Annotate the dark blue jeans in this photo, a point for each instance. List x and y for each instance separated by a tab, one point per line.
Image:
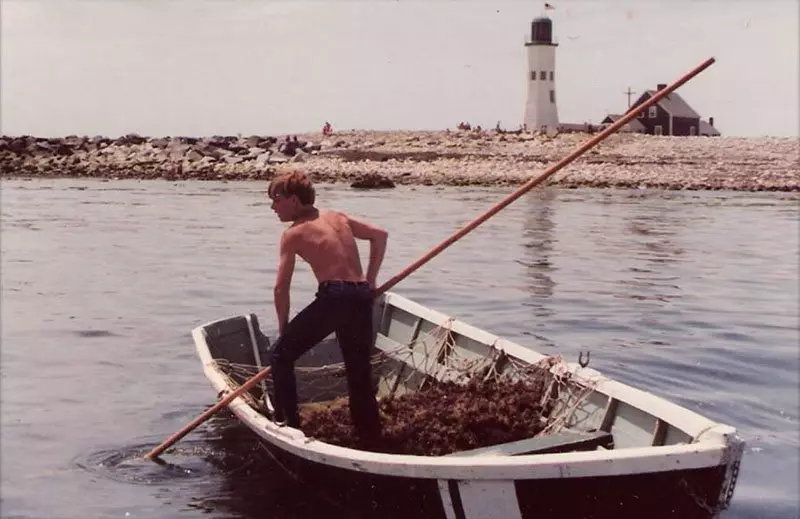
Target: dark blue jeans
346	309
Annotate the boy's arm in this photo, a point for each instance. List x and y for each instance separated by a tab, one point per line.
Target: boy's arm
284	281
377	238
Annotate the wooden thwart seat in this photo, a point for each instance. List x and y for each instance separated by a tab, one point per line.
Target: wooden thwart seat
563	441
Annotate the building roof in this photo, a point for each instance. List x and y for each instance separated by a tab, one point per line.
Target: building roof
705	128
634	125
674	105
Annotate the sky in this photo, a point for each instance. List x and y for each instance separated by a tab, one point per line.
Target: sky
202	67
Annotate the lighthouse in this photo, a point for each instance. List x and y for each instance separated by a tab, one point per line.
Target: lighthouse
541	112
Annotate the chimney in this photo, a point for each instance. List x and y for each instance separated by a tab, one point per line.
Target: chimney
711	121
661	86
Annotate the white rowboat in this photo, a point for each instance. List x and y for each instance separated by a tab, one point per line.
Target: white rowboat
620	451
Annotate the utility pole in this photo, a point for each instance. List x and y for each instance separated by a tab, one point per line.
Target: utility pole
629	92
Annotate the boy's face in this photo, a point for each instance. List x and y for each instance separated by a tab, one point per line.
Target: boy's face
285	207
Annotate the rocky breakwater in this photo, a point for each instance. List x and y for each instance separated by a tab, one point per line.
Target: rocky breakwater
382	159
492	158
133	156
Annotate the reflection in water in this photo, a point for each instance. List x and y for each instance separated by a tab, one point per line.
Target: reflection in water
538	242
652	234
655	229
253	484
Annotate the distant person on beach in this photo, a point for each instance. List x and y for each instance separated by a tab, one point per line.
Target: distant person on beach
326	240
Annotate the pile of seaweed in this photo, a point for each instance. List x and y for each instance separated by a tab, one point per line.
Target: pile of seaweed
442	418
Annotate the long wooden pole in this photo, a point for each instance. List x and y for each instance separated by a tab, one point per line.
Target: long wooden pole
166	444
544	176
449	241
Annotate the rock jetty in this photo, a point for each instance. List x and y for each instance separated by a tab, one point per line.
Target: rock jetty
371	159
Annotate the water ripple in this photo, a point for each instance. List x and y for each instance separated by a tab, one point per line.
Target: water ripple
188	460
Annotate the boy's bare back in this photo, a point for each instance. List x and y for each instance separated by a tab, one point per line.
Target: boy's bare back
327	242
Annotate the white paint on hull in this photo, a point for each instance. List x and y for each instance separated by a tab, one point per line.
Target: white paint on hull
447	500
482	499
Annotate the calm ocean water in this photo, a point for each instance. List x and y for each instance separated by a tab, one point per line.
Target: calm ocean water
690	295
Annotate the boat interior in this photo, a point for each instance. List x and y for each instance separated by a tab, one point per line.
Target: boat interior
415	346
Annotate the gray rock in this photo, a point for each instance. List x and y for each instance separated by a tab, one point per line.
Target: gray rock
251	141
177	151
207	150
263	158
233	159
130	139
372	181
193	155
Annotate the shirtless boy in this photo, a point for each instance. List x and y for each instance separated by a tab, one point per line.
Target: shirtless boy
326	240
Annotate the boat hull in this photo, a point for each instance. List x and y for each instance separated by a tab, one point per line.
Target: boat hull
685	494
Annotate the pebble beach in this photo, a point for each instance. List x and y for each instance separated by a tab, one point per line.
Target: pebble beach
383	159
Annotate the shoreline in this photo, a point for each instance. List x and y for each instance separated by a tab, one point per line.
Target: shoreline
383	159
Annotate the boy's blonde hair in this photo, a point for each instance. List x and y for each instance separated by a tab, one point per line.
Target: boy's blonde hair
293	183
